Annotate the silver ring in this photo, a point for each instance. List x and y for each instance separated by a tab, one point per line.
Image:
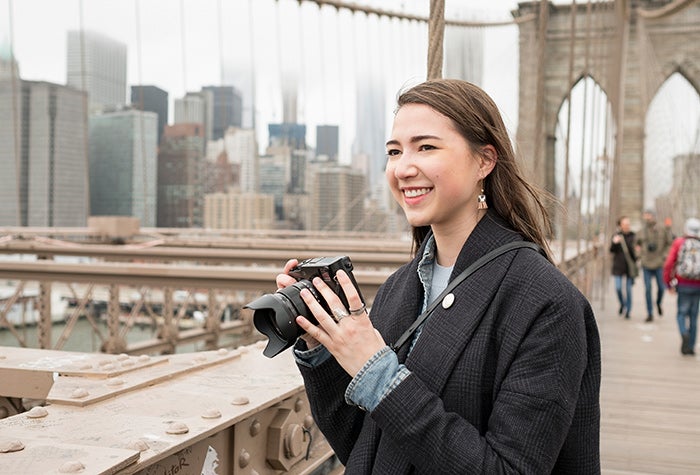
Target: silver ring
359	311
339	313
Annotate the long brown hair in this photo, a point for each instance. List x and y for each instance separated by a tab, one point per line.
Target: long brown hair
476	117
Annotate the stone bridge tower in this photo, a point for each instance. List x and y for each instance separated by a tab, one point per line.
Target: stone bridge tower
630	48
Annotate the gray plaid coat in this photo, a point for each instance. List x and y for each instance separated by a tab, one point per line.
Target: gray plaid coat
506	380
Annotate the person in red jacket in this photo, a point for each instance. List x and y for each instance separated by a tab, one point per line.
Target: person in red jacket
682	275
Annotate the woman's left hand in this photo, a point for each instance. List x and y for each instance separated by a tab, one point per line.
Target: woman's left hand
350	338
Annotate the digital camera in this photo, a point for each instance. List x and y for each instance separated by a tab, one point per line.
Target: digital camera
275	314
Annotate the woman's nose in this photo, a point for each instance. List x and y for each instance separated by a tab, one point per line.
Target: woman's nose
405	166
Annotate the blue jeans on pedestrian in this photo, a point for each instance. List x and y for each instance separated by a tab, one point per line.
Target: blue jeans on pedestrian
626	299
658	274
688	302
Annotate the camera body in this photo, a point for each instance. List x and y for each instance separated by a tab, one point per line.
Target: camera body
651	247
275	314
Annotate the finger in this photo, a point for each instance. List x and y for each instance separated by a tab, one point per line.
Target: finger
328	294
291	264
324	320
284	280
356	307
314	332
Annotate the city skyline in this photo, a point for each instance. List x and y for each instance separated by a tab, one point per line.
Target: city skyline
155	33
327	88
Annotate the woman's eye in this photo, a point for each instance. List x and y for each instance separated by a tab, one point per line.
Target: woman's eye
426	147
393	152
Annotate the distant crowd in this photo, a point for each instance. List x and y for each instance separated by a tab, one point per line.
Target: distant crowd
673	263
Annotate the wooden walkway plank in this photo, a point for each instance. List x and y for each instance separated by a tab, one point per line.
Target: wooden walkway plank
650	393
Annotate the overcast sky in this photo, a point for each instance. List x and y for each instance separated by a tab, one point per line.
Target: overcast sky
221	36
183	45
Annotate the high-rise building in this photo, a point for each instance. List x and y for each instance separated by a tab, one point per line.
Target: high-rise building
298	171
242	149
235	210
228	109
123	165
96	64
369	146
180	157
154	99
196	108
273	169
287	134
337	199
44	158
327	142
9	68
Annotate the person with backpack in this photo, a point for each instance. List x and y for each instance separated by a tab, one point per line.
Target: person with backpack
682	275
653	242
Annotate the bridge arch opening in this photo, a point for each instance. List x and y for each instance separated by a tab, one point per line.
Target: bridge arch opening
583	150
672	151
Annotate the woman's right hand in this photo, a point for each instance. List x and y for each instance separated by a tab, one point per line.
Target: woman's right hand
285	280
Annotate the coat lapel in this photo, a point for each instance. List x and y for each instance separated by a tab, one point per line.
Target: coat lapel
449	330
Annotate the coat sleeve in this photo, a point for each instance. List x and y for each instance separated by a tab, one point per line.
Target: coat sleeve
670	264
534	404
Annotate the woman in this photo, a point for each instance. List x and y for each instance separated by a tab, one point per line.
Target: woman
682	275
622	247
504	375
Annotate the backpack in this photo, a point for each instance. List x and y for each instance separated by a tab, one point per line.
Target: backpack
688	263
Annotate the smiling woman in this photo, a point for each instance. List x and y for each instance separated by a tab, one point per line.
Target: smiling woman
500	372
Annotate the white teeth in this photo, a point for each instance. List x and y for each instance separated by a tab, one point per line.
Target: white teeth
414	193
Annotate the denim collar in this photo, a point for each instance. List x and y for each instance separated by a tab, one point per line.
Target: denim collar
425	269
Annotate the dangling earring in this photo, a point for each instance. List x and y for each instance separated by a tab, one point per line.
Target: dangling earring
481	200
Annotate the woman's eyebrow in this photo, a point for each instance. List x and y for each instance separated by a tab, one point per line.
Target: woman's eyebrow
415	139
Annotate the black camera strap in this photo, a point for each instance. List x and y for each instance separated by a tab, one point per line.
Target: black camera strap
478	264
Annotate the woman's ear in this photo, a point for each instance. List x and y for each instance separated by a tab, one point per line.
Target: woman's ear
488	158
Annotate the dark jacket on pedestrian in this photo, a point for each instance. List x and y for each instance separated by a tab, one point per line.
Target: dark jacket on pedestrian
505	380
619	263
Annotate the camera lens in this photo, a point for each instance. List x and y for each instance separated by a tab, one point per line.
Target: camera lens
275	316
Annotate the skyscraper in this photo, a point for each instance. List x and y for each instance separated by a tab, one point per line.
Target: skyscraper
242	148
337	199
123	161
44	159
154	99
180	158
196	108
327	142
96	64
371	135
228	109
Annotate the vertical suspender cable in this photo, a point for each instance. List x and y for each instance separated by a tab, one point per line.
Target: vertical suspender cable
251	23
183	45
301	116
436	33
83	87
144	165
220	33
324	79
586	80
538	161
572	44
15	117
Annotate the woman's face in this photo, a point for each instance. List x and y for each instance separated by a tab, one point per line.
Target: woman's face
431	170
